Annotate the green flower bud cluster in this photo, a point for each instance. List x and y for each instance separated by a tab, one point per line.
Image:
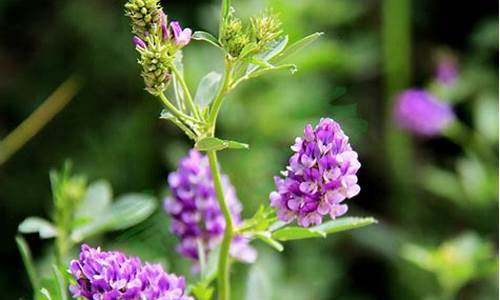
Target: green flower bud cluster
266	28
144	14
234	36
155	60
239	40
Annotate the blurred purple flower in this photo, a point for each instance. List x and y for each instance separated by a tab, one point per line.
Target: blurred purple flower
195	212
110	275
320	175
447	71
423	114
181	37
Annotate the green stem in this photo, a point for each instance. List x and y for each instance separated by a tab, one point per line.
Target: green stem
181	80
223	285
396	33
62	247
175	111
214	111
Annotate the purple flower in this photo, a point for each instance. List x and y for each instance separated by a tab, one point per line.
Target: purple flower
447	71
181	37
138	42
114	276
195	212
164	26
320	175
422	113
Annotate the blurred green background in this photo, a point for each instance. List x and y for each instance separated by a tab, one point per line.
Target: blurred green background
437	202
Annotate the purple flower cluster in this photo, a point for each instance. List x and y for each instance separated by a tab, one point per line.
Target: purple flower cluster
195	212
320	175
423	114
110	275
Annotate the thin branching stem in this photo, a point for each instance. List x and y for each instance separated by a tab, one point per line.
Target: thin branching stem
175	111
189	98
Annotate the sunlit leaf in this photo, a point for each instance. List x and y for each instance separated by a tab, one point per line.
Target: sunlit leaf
97	198
207	89
287	67
206	37
126	211
236	145
177	87
297	233
275	49
43	227
343	224
297	46
210	144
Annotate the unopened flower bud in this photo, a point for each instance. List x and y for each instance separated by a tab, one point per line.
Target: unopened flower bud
155	66
144	15
266	29
234	37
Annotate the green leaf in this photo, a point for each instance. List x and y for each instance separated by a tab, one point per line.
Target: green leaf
212	263
276	48
277	225
126	211
97	198
61	284
266	238
46	293
25	252
297	46
442	183
178	91
207	89
49	288
202	291
213	143
206	37
287	67
343	224
202	258
236	145
210	144
44	228
297	233
265	57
